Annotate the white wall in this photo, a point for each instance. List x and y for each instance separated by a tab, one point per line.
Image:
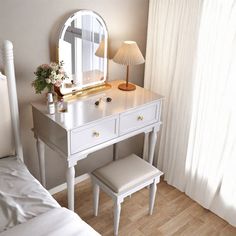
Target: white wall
33	27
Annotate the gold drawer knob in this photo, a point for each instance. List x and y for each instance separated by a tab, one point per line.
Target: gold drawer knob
140	118
95	134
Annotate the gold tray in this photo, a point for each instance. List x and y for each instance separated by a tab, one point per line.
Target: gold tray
74	95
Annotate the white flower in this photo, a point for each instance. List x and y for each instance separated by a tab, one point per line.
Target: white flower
56	77
53	81
53	73
48	81
60	76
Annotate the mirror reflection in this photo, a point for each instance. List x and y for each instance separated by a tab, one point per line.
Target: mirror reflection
83	49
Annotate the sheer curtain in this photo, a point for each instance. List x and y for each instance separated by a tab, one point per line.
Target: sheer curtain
191	60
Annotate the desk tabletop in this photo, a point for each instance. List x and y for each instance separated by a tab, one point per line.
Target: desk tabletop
84	111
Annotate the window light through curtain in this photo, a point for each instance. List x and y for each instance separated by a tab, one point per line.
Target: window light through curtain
191	60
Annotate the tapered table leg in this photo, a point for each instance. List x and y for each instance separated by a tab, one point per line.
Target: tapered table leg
41	156
70	179
152	144
145	146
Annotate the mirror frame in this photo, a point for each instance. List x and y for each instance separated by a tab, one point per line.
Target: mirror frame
94	86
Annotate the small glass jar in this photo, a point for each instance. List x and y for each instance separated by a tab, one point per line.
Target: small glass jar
61	105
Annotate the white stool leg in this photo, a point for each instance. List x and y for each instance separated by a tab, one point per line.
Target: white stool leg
152	194
96	191
117	209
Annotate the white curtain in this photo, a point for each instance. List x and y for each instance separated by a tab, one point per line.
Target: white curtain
191	60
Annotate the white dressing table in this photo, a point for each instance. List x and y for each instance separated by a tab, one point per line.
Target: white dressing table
86	128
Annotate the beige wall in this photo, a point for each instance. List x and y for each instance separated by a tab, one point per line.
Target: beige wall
33	28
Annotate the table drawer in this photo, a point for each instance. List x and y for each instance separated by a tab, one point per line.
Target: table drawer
94	134
138	118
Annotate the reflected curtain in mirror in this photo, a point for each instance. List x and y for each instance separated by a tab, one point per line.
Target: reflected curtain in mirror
79	40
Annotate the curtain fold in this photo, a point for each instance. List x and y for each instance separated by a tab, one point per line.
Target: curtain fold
191	60
171	49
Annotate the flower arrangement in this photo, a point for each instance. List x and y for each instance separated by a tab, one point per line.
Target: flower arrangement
48	76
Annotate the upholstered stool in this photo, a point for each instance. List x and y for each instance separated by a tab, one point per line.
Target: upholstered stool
121	178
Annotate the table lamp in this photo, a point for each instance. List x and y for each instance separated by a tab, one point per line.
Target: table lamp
100	53
128	54
100	50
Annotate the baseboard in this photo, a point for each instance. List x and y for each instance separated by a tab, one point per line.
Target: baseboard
62	187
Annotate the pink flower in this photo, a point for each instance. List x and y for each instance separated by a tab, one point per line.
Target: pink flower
61	71
45	66
58	83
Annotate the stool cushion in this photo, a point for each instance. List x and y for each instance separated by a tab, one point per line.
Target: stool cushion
127	173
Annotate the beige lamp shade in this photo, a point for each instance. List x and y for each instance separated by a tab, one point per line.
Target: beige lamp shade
100	53
129	54
100	50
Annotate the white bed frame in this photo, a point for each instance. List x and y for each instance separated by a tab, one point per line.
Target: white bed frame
8	61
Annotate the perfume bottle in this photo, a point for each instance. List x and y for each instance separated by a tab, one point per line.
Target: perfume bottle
61	105
50	104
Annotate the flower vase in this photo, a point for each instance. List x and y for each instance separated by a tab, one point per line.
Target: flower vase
57	92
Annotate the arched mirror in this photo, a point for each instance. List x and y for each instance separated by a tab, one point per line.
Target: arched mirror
83	49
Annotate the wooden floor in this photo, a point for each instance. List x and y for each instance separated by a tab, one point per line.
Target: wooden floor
174	214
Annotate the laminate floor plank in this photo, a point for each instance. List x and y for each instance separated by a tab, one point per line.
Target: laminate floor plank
174	214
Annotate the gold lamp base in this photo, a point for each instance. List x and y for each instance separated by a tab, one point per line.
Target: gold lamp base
127	87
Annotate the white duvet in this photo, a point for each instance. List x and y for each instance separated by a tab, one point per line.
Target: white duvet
22	197
27	209
56	222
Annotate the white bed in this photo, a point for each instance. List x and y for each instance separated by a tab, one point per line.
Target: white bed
56	222
26	208
21	196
